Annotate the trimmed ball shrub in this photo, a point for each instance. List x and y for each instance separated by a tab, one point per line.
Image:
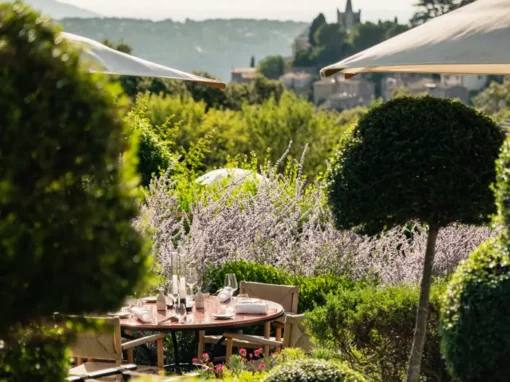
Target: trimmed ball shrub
67	179
475	321
372	328
425	159
313	371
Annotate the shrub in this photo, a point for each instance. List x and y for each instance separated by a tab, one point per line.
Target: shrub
34	353
372	328
475	321
66	200
424	159
313	371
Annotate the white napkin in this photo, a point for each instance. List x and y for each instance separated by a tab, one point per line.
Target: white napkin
252	308
142	314
224	295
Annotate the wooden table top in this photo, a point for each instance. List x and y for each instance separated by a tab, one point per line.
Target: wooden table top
201	319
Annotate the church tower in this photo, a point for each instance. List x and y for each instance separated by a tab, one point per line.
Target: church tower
349	18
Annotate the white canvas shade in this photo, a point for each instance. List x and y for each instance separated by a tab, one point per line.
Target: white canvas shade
233	174
110	61
474	39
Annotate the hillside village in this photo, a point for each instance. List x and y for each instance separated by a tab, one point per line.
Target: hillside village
339	93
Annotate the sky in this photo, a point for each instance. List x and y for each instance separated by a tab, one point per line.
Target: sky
298	10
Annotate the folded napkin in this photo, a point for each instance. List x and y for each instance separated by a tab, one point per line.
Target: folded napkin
252	308
224	295
142	314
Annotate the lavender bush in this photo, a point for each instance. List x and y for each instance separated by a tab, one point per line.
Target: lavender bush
284	221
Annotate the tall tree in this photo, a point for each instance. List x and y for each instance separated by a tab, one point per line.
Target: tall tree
272	67
425	159
318	22
252	62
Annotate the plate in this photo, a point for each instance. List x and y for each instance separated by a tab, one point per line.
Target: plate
223	316
150	299
119	314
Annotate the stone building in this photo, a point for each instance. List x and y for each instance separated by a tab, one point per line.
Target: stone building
243	75
300	82
349	18
339	93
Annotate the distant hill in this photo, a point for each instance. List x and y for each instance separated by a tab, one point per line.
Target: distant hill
56	9
212	45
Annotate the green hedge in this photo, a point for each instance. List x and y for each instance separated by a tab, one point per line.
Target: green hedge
313	371
313	290
34	353
373	329
475	321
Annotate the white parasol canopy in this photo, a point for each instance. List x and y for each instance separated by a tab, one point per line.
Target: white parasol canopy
233	174
111	61
474	39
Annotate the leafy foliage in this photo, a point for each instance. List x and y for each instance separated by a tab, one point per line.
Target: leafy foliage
495	100
313	371
415	158
66	200
34	353
476	316
372	328
272	67
254	128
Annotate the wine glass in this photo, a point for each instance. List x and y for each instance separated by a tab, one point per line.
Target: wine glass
230	284
191	279
180	311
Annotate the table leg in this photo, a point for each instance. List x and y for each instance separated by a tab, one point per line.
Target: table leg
201	344
267	332
161	355
176	353
130	356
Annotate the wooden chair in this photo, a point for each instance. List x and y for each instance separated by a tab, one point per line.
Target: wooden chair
285	295
107	346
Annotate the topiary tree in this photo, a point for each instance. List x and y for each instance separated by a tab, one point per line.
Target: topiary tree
475	316
66	198
312	370
423	159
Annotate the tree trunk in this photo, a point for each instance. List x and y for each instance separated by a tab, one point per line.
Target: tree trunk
420	330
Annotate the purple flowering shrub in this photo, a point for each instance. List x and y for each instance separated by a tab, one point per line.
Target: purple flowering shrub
283	221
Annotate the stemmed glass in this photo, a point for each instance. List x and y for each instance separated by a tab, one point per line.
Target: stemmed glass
192	279
180	311
230	284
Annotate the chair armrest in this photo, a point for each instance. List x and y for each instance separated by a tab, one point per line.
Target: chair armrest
252	339
143	341
294	319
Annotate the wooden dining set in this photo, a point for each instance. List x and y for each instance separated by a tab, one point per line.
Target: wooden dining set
114	345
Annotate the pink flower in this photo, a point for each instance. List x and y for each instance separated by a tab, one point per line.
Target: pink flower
242	352
211	370
211	364
194	360
219	368
251	355
205	356
262	366
258	352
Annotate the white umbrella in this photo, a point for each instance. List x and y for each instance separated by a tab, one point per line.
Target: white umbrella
111	61
474	39
233	174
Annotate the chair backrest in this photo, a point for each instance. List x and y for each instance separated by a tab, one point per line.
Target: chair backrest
285	295
105	344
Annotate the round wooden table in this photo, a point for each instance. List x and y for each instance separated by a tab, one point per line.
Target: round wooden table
200	320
